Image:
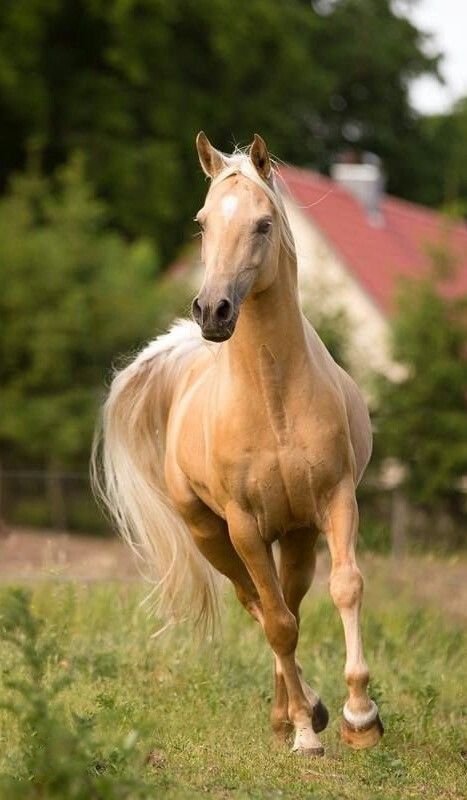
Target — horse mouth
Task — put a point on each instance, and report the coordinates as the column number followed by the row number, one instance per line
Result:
column 217, row 335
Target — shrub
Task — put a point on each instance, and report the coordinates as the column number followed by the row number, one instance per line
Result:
column 58, row 757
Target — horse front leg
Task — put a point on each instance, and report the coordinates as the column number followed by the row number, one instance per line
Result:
column 211, row 536
column 361, row 725
column 296, row 570
column 279, row 623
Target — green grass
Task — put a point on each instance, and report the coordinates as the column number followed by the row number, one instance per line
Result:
column 206, row 711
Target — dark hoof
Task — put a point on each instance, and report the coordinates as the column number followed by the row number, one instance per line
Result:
column 319, row 717
column 360, row 739
column 309, row 752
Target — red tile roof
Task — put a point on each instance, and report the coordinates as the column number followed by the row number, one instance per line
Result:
column 379, row 253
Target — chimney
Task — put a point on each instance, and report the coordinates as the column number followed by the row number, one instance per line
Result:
column 364, row 179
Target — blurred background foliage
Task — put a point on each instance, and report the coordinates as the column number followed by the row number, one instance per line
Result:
column 99, row 182
column 421, row 420
column 74, row 294
column 130, row 83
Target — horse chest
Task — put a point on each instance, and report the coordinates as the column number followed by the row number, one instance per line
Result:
column 283, row 487
column 298, row 451
column 274, row 453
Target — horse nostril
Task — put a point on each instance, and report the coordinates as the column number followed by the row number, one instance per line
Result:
column 196, row 310
column 224, row 311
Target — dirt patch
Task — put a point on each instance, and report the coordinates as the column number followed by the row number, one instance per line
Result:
column 439, row 582
column 34, row 555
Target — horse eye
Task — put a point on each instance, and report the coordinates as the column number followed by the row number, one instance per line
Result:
column 264, row 225
column 199, row 224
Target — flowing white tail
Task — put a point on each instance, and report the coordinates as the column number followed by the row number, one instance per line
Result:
column 127, row 470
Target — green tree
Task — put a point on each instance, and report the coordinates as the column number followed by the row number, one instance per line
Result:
column 422, row 420
column 74, row 296
column 436, row 172
column 131, row 83
column 372, row 53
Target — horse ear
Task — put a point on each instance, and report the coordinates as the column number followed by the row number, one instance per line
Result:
column 211, row 160
column 260, row 157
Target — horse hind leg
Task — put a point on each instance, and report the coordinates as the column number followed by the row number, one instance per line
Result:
column 280, row 720
column 296, row 571
column 281, row 725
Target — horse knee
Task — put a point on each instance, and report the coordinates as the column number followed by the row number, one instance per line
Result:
column 282, row 632
column 346, row 585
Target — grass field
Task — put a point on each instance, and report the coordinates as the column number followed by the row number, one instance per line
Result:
column 203, row 714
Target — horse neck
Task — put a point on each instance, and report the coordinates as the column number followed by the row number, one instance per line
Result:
column 270, row 325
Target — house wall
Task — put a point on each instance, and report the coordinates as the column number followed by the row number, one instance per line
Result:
column 327, row 286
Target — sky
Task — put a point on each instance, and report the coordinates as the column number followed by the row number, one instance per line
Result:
column 447, row 20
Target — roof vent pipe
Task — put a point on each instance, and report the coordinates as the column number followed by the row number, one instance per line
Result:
column 365, row 181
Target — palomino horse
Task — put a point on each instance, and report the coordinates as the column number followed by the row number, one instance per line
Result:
column 211, row 453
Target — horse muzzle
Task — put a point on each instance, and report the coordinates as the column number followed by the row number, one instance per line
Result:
column 216, row 319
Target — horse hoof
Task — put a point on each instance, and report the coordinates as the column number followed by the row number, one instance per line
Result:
column 310, row 752
column 319, row 717
column 360, row 739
